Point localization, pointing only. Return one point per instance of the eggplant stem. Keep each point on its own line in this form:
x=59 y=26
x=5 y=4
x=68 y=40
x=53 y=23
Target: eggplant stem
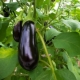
x=46 y=52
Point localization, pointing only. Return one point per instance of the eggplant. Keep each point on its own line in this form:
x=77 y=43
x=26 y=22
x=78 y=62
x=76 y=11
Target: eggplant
x=6 y=11
x=17 y=31
x=27 y=51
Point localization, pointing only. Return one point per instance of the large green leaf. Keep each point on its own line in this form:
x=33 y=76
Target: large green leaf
x=46 y=75
x=36 y=72
x=40 y=74
x=19 y=78
x=70 y=65
x=64 y=74
x=70 y=41
x=8 y=60
x=73 y=24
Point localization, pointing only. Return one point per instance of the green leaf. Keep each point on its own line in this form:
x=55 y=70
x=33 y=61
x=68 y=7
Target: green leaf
x=23 y=1
x=46 y=75
x=13 y=6
x=52 y=15
x=73 y=24
x=51 y=50
x=70 y=41
x=70 y=65
x=5 y=52
x=39 y=3
x=64 y=74
x=9 y=39
x=14 y=78
x=22 y=78
x=19 y=77
x=47 y=2
x=50 y=33
x=77 y=12
x=8 y=61
x=36 y=72
x=39 y=14
x=3 y=27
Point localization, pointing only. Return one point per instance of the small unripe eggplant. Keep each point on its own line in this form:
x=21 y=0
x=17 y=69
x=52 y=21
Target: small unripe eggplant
x=45 y=23
x=27 y=51
x=17 y=31
x=52 y=0
x=6 y=11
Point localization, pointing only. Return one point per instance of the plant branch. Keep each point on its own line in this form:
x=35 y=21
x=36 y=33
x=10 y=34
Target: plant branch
x=46 y=52
x=58 y=7
x=45 y=63
x=21 y=6
x=34 y=9
x=56 y=12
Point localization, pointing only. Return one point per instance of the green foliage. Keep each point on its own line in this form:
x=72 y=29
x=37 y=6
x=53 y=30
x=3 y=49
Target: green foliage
x=58 y=61
x=50 y=33
x=38 y=70
x=3 y=27
x=70 y=65
x=13 y=6
x=64 y=74
x=46 y=75
x=69 y=41
x=73 y=24
x=8 y=60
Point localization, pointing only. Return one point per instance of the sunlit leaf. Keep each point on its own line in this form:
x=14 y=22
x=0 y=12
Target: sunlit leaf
x=8 y=61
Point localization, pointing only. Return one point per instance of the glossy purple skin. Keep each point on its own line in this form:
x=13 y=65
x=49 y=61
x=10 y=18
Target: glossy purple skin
x=27 y=51
x=17 y=31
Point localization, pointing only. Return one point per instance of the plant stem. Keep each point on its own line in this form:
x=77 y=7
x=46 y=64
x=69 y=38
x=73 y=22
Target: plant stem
x=45 y=63
x=34 y=9
x=57 y=15
x=21 y=7
x=19 y=4
x=46 y=52
x=58 y=7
